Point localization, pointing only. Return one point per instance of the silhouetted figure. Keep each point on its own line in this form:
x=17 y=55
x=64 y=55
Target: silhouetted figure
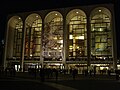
x=48 y=72
x=86 y=72
x=90 y=72
x=56 y=74
x=74 y=73
x=42 y=74
x=108 y=72
x=117 y=74
x=94 y=71
x=35 y=73
x=70 y=71
x=13 y=72
x=6 y=71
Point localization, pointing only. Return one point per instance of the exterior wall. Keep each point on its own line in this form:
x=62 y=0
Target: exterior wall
x=64 y=12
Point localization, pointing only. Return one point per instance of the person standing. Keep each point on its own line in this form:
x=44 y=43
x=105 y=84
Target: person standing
x=42 y=74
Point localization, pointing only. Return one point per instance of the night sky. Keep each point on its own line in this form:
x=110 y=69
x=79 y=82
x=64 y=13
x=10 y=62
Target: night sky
x=15 y=6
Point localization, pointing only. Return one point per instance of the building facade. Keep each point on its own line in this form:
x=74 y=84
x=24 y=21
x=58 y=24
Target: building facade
x=79 y=37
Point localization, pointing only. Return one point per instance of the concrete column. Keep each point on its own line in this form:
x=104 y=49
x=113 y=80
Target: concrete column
x=65 y=34
x=41 y=53
x=5 y=47
x=23 y=47
x=114 y=46
x=88 y=41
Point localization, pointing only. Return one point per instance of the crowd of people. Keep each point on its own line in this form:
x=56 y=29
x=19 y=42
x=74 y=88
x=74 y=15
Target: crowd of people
x=47 y=73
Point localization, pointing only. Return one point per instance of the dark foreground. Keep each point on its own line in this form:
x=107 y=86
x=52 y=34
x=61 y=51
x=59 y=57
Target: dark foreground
x=79 y=83
x=92 y=84
x=21 y=84
x=14 y=84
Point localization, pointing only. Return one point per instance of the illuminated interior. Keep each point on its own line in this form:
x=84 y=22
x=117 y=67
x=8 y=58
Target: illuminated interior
x=77 y=33
x=53 y=37
x=101 y=41
x=15 y=37
x=33 y=36
x=59 y=39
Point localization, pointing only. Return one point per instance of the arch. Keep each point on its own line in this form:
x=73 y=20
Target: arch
x=33 y=30
x=14 y=32
x=74 y=12
x=101 y=35
x=31 y=18
x=50 y=16
x=77 y=44
x=100 y=10
x=53 y=36
x=14 y=20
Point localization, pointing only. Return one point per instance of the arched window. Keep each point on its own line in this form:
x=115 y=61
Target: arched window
x=53 y=36
x=33 y=36
x=77 y=39
x=101 y=39
x=14 y=42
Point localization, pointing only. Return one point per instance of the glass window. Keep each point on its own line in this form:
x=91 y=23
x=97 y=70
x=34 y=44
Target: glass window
x=33 y=39
x=100 y=35
x=17 y=40
x=53 y=37
x=77 y=36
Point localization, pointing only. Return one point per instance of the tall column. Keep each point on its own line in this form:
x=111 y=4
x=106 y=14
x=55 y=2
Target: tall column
x=41 y=53
x=23 y=47
x=88 y=41
x=114 y=46
x=65 y=34
x=5 y=47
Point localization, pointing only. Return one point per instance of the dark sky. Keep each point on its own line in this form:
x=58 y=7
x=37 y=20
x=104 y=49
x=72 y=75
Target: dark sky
x=14 y=6
x=28 y=5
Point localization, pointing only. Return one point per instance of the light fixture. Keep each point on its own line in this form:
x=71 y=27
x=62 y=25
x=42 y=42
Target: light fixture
x=70 y=36
x=19 y=18
x=56 y=14
x=77 y=12
x=99 y=10
x=37 y=16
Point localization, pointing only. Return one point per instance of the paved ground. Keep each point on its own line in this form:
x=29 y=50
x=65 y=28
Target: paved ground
x=66 y=83
x=23 y=84
x=91 y=84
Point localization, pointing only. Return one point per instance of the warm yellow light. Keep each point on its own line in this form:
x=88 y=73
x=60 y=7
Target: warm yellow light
x=100 y=29
x=77 y=47
x=60 y=50
x=61 y=46
x=55 y=38
x=100 y=10
x=37 y=16
x=77 y=12
x=70 y=36
x=79 y=37
x=61 y=41
x=70 y=47
x=55 y=48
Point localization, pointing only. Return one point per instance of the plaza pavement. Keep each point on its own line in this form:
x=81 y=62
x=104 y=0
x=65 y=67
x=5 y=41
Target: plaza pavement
x=66 y=82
